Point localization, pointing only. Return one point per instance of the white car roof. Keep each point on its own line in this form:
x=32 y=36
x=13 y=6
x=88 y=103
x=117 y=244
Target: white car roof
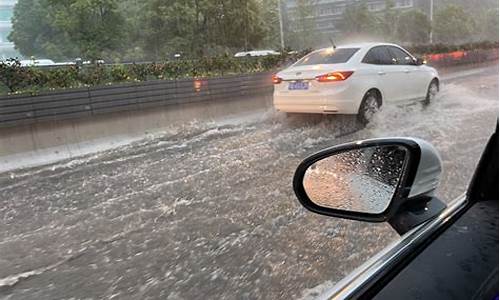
x=363 y=49
x=358 y=56
x=365 y=45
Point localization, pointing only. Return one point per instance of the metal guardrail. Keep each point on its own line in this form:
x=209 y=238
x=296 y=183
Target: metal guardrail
x=85 y=102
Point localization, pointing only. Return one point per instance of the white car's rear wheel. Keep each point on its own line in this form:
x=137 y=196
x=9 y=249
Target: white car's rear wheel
x=369 y=107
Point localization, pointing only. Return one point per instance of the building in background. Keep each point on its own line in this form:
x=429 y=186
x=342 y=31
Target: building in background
x=6 y=12
x=327 y=14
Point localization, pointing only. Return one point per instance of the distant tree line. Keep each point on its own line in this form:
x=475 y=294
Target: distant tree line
x=147 y=30
x=139 y=30
x=452 y=24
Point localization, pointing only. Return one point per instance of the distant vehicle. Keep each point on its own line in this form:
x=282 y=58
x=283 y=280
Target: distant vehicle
x=354 y=79
x=37 y=62
x=256 y=53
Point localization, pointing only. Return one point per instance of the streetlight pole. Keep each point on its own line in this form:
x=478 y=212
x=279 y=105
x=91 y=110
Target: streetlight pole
x=282 y=41
x=430 y=17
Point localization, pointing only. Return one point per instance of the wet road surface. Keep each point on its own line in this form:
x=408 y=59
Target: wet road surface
x=207 y=210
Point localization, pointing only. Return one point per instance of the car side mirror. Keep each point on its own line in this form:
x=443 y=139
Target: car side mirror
x=419 y=61
x=390 y=179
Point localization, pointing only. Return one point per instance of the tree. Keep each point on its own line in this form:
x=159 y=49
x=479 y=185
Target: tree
x=133 y=47
x=413 y=26
x=168 y=27
x=67 y=28
x=485 y=16
x=303 y=34
x=137 y=30
x=196 y=27
x=33 y=33
x=472 y=7
x=452 y=25
x=488 y=25
x=386 y=22
x=357 y=20
x=271 y=26
x=242 y=24
x=95 y=27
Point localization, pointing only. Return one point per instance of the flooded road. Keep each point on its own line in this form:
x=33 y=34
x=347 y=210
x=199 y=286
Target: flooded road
x=207 y=210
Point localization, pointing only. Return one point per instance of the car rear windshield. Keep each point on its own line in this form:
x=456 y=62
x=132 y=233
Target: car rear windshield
x=327 y=56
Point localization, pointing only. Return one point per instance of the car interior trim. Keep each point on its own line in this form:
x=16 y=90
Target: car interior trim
x=352 y=284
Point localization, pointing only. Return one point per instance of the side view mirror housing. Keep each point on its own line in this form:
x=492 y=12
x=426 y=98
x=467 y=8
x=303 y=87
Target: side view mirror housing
x=377 y=180
x=420 y=61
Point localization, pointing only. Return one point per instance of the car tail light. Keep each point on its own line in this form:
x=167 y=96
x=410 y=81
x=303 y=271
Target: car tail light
x=334 y=76
x=276 y=79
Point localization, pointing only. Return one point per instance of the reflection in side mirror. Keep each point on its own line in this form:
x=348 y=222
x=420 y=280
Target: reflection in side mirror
x=360 y=180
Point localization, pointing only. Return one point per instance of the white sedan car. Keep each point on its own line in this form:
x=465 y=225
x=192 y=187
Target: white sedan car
x=354 y=79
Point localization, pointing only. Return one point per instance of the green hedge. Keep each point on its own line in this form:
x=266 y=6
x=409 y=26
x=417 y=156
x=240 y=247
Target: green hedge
x=15 y=79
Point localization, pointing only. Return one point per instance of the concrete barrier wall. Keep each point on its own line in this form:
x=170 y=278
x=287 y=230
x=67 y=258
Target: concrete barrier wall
x=53 y=126
x=44 y=142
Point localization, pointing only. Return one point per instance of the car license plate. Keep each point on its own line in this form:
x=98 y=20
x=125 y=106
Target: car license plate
x=298 y=85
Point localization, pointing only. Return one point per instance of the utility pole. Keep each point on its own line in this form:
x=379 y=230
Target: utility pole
x=282 y=41
x=430 y=17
